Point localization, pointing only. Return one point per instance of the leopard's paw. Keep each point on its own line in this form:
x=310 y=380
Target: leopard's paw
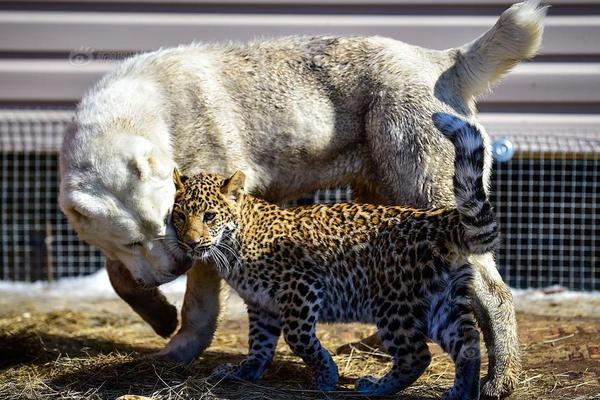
x=371 y=386
x=248 y=370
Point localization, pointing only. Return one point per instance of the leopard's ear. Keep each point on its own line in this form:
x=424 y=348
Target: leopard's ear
x=234 y=185
x=179 y=180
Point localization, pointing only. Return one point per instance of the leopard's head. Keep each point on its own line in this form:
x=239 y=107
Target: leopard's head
x=206 y=210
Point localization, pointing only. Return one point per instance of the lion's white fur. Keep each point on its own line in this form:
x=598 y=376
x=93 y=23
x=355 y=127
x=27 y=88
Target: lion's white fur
x=295 y=114
x=203 y=105
x=116 y=176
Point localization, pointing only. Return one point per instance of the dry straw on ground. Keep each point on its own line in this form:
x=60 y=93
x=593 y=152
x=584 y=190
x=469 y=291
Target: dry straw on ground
x=105 y=354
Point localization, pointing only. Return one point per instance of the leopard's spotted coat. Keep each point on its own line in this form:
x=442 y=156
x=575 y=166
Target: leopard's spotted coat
x=403 y=269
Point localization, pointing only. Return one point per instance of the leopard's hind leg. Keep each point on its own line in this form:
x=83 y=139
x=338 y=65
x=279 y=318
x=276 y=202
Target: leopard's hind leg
x=452 y=326
x=404 y=341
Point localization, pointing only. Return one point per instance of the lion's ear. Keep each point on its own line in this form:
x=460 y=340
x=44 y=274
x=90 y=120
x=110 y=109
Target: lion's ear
x=179 y=180
x=234 y=185
x=147 y=161
x=77 y=215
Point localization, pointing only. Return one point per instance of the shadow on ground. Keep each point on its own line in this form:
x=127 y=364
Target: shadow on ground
x=43 y=365
x=103 y=354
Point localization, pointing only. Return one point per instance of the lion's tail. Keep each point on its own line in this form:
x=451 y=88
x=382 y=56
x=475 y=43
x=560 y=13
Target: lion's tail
x=516 y=36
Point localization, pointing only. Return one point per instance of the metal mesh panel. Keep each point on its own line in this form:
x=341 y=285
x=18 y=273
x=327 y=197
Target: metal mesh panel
x=37 y=242
x=547 y=198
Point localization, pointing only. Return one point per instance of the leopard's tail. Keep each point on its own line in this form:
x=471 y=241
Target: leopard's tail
x=476 y=214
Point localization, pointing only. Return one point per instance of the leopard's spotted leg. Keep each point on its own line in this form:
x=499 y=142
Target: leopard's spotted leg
x=406 y=344
x=265 y=329
x=452 y=326
x=299 y=315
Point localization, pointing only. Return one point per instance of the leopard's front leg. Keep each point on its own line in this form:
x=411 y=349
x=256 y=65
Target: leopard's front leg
x=265 y=329
x=299 y=315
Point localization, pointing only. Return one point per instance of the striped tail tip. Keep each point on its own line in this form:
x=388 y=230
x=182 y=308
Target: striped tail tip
x=476 y=214
x=459 y=131
x=448 y=124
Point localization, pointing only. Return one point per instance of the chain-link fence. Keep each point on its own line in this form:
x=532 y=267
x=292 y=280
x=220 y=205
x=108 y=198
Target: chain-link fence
x=546 y=194
x=547 y=198
x=37 y=242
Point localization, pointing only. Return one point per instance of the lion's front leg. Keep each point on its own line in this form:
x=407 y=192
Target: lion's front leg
x=495 y=315
x=199 y=315
x=149 y=303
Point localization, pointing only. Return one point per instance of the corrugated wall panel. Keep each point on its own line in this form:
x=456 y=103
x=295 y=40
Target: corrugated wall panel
x=314 y=2
x=38 y=38
x=547 y=110
x=66 y=31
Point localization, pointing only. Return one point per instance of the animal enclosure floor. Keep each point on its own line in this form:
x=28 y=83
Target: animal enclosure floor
x=101 y=350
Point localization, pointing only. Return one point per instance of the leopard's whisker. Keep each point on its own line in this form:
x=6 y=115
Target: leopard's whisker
x=219 y=259
x=229 y=268
x=232 y=252
x=184 y=245
x=235 y=256
x=222 y=257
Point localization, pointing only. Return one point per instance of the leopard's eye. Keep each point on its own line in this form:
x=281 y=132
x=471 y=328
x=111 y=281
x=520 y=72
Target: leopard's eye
x=179 y=218
x=178 y=213
x=209 y=216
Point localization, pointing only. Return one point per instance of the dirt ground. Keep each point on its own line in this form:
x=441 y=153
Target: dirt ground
x=101 y=350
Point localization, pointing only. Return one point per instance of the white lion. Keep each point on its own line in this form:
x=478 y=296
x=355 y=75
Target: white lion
x=295 y=114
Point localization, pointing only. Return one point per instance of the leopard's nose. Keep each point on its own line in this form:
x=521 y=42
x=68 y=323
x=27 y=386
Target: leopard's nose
x=191 y=243
x=192 y=240
x=196 y=244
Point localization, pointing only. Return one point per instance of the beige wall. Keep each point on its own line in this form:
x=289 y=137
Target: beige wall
x=50 y=52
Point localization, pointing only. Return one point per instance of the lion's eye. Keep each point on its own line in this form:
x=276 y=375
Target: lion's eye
x=134 y=244
x=209 y=216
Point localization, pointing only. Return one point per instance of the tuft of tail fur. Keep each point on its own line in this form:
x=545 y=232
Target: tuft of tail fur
x=472 y=203
x=516 y=36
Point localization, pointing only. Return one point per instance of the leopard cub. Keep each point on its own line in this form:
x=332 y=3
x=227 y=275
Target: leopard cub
x=405 y=270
